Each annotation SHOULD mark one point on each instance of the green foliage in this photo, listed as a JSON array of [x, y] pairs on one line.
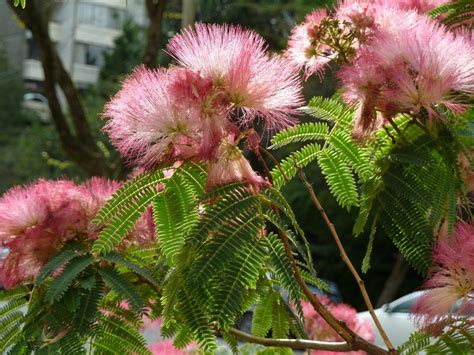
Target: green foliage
[[339, 158], [120, 260], [283, 270], [124, 208], [18, 2], [68, 253], [408, 179], [175, 210], [58, 287], [122, 286], [456, 339], [263, 314], [115, 334], [339, 178], [300, 133], [288, 168], [455, 14]]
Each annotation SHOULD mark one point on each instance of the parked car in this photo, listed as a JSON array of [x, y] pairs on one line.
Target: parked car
[[38, 104], [396, 319]]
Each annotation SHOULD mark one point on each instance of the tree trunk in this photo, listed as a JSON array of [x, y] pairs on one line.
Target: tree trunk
[[155, 10], [79, 144], [188, 13], [394, 281]]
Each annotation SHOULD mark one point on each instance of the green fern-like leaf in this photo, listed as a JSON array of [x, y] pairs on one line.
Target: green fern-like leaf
[[406, 224], [197, 320], [455, 13], [288, 167], [231, 342], [331, 110], [415, 344], [347, 151], [227, 207], [183, 338], [283, 270], [61, 284], [123, 287], [225, 245], [263, 314], [370, 244], [339, 178], [88, 306], [300, 133], [130, 265], [13, 294], [175, 211], [117, 337], [68, 253], [124, 196], [280, 321], [240, 274], [9, 336], [113, 234]]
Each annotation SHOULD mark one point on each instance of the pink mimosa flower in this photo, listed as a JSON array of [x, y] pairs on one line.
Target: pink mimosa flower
[[27, 255], [231, 166], [35, 221], [451, 280], [155, 117], [20, 209], [411, 64], [304, 49], [143, 233], [318, 329], [96, 192], [254, 84], [163, 347]]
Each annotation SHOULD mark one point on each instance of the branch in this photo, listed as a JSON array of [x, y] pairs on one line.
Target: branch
[[354, 341], [346, 260], [299, 344], [80, 147], [155, 10]]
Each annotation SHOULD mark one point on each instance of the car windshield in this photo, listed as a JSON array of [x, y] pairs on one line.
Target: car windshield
[[404, 307]]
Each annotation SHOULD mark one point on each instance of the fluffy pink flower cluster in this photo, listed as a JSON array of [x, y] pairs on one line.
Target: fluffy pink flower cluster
[[318, 329], [450, 288], [37, 220], [394, 58], [225, 81]]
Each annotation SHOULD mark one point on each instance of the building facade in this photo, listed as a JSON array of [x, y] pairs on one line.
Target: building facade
[[83, 30]]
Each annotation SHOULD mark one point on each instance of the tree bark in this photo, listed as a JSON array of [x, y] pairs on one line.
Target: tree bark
[[155, 10], [188, 13], [79, 143], [394, 281]]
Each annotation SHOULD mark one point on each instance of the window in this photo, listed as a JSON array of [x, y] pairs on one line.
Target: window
[[100, 16], [89, 54], [34, 51], [404, 307]]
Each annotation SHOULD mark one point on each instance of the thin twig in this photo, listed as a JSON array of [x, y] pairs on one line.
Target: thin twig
[[299, 344], [264, 165], [277, 163], [354, 341], [346, 260], [396, 128]]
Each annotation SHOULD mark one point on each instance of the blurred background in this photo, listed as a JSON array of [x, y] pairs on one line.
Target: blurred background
[[60, 61]]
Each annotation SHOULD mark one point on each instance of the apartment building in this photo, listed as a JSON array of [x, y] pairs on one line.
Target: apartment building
[[82, 30]]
